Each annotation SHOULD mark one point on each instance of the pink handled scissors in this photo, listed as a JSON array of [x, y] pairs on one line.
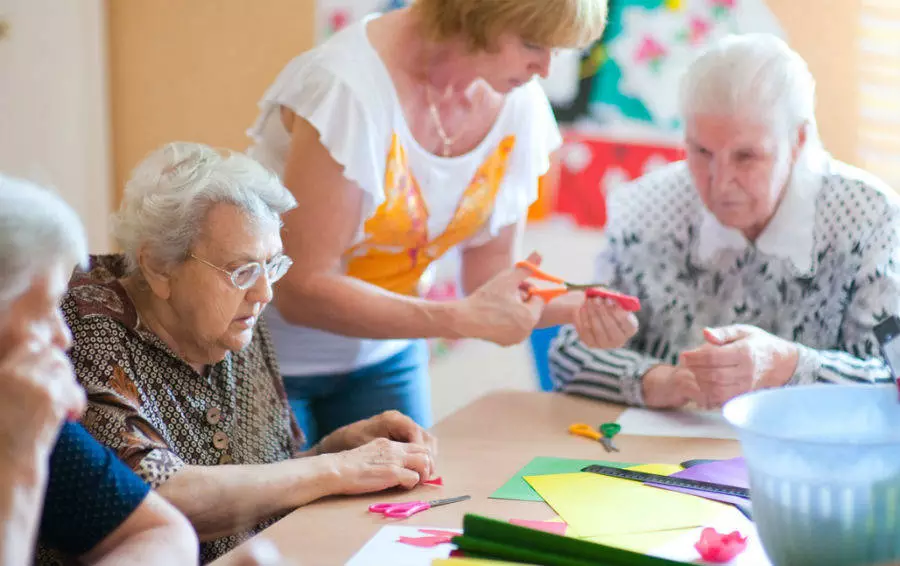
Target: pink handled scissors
[[405, 510]]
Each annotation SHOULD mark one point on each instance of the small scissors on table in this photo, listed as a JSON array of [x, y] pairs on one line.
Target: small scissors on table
[[604, 436], [406, 510], [627, 302]]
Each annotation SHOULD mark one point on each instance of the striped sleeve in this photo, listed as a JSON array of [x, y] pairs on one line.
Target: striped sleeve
[[611, 375]]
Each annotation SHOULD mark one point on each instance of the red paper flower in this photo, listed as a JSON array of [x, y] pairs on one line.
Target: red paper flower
[[716, 547]]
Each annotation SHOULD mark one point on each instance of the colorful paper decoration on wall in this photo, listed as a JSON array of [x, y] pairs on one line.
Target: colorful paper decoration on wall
[[591, 167], [631, 75], [334, 15]]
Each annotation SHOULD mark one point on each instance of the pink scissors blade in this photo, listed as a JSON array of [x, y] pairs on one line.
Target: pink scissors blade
[[400, 510], [405, 510]]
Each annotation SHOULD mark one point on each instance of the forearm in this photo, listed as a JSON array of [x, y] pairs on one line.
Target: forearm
[[837, 366], [223, 500], [611, 375], [351, 307], [21, 501]]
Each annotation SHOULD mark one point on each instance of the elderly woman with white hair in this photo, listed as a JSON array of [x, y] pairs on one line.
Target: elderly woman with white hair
[[761, 261], [182, 379], [119, 520]]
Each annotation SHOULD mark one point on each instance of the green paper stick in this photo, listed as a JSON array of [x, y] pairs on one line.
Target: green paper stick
[[502, 540]]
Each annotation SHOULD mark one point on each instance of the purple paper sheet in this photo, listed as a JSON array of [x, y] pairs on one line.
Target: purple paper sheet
[[727, 472]]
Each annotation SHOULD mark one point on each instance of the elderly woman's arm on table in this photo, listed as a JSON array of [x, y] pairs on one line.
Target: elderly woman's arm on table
[[224, 499], [627, 376]]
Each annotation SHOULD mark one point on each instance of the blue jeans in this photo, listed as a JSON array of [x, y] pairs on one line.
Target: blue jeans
[[325, 403]]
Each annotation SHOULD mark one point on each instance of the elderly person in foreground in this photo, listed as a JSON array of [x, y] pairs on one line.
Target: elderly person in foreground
[[761, 261], [181, 377], [119, 520]]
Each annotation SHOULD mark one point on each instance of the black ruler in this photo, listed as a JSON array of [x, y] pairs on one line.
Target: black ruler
[[644, 477]]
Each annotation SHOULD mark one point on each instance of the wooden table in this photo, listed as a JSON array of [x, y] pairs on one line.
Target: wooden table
[[480, 447]]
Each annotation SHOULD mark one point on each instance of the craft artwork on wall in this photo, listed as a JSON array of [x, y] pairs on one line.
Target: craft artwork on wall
[[630, 76], [334, 15]]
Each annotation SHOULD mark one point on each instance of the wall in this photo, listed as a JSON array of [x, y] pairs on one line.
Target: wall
[[825, 33], [194, 70], [53, 103]]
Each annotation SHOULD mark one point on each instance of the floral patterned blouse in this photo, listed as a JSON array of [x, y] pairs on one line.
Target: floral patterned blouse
[[157, 412]]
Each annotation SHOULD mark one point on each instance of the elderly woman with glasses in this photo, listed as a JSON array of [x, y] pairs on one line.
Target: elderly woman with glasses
[[182, 379]]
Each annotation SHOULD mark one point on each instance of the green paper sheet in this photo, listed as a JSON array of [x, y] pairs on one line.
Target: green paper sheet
[[517, 488]]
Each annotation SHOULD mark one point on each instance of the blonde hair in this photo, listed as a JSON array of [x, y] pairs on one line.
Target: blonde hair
[[548, 23]]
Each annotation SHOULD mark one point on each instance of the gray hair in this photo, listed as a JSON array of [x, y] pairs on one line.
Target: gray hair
[[756, 73], [36, 227], [172, 190]]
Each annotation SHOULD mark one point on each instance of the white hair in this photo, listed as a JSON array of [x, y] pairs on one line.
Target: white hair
[[36, 227], [172, 190], [754, 74]]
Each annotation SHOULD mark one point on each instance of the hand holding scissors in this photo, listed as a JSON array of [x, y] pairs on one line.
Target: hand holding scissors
[[406, 510], [591, 290]]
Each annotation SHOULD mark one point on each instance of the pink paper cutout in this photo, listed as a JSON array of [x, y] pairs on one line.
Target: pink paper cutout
[[424, 542], [699, 30], [725, 3], [440, 533], [713, 546], [435, 538], [546, 526], [434, 481], [650, 50]]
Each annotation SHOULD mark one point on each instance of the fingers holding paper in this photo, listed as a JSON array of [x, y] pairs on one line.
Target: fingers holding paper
[[601, 323]]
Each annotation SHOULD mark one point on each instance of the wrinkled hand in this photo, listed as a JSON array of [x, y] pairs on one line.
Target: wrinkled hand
[[737, 359], [38, 392], [499, 311], [392, 425], [383, 464], [670, 387], [601, 323]]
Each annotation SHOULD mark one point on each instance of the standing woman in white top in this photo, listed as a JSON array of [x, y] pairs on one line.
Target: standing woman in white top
[[402, 137]]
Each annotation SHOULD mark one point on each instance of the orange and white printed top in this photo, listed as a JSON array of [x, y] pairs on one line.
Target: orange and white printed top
[[418, 205]]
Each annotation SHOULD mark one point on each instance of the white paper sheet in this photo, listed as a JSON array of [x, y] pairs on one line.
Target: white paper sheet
[[682, 549], [690, 424], [383, 548]]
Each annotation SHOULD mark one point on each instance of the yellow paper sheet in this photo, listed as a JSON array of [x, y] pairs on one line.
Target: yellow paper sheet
[[472, 562], [600, 506], [642, 543]]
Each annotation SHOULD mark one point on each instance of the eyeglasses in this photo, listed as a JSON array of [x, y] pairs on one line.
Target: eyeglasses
[[246, 275]]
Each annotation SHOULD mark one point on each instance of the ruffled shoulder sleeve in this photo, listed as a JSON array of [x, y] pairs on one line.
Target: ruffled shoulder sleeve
[[346, 101]]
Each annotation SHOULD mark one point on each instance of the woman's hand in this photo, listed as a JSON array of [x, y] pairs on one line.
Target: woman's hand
[[500, 311], [38, 392], [382, 464], [601, 323], [392, 425]]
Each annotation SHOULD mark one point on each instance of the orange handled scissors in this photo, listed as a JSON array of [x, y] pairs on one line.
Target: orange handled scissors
[[604, 436], [591, 290]]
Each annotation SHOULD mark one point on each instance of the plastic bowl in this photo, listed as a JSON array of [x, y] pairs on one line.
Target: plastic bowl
[[824, 466]]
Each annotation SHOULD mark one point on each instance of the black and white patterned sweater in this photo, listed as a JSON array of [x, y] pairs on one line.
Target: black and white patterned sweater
[[824, 271]]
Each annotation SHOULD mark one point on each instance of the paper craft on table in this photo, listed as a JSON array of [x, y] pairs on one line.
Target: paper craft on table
[[385, 548], [685, 423], [683, 549], [594, 505], [726, 472], [517, 488]]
